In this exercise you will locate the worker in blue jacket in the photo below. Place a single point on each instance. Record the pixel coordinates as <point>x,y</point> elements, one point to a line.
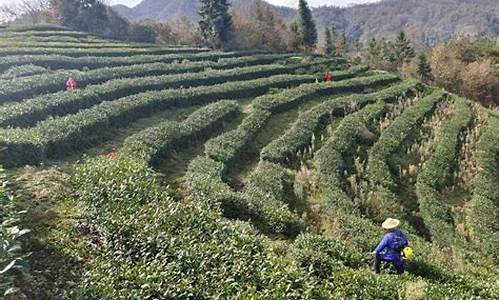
<point>391,247</point>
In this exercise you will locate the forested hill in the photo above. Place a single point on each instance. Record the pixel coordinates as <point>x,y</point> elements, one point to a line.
<point>428,21</point>
<point>166,10</point>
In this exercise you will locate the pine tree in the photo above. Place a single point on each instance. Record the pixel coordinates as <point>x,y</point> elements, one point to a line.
<point>335,36</point>
<point>404,50</point>
<point>341,45</point>
<point>424,69</point>
<point>216,26</point>
<point>328,42</point>
<point>307,34</point>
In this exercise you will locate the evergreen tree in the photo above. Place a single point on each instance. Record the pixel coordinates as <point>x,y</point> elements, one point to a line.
<point>307,34</point>
<point>328,42</point>
<point>335,36</point>
<point>424,69</point>
<point>340,44</point>
<point>215,23</point>
<point>403,48</point>
<point>84,15</point>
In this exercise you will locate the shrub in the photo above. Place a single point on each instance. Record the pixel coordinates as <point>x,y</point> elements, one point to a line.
<point>53,82</point>
<point>300,135</point>
<point>13,264</point>
<point>154,142</point>
<point>436,172</point>
<point>57,137</point>
<point>392,138</point>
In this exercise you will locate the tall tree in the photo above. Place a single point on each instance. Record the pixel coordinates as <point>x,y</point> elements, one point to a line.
<point>424,69</point>
<point>404,49</point>
<point>216,25</point>
<point>84,15</point>
<point>341,45</point>
<point>307,34</point>
<point>335,36</point>
<point>328,41</point>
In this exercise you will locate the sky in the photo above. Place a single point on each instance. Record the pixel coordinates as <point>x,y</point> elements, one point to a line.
<point>291,3</point>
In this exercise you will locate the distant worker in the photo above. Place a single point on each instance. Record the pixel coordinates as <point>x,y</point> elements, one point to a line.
<point>71,84</point>
<point>328,76</point>
<point>393,248</point>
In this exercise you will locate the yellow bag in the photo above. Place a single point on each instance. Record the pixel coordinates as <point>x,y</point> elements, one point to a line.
<point>408,253</point>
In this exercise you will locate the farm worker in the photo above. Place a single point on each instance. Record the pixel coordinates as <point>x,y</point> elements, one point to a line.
<point>391,247</point>
<point>328,76</point>
<point>71,84</point>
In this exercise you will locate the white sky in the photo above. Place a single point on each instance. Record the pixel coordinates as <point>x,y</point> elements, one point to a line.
<point>291,3</point>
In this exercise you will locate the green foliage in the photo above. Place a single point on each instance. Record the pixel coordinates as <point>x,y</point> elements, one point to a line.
<point>436,173</point>
<point>32,110</point>
<point>110,184</point>
<point>330,160</point>
<point>302,133</point>
<point>337,251</point>
<point>54,81</point>
<point>393,138</point>
<point>305,29</point>
<point>210,243</point>
<point>97,51</point>
<point>481,220</point>
<point>58,137</point>
<point>282,101</point>
<point>155,142</point>
<point>22,71</point>
<point>12,256</point>
<point>328,42</point>
<point>424,70</point>
<point>228,145</point>
<point>216,25</point>
<point>404,49</point>
<point>204,180</point>
<point>55,61</point>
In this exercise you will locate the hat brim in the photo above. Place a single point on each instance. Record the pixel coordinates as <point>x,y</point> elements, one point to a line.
<point>390,224</point>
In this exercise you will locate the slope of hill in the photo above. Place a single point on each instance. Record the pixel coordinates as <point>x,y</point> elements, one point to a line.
<point>428,21</point>
<point>162,10</point>
<point>148,183</point>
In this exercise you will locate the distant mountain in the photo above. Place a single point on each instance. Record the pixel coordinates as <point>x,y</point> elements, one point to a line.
<point>426,21</point>
<point>164,10</point>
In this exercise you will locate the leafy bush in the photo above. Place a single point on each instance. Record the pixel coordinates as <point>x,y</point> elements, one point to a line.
<point>54,82</point>
<point>57,137</point>
<point>330,159</point>
<point>116,183</point>
<point>103,52</point>
<point>436,172</point>
<point>204,179</point>
<point>299,136</point>
<point>154,142</point>
<point>392,138</point>
<point>481,220</point>
<point>228,145</point>
<point>64,102</point>
<point>22,71</point>
<point>54,61</point>
<point>285,100</point>
<point>12,257</point>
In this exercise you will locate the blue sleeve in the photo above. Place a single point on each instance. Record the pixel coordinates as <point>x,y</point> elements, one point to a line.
<point>382,243</point>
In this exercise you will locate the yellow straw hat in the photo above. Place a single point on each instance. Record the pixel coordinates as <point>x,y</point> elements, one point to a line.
<point>390,223</point>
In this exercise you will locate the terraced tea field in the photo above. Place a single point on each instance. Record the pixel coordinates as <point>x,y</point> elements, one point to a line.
<point>183,173</point>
